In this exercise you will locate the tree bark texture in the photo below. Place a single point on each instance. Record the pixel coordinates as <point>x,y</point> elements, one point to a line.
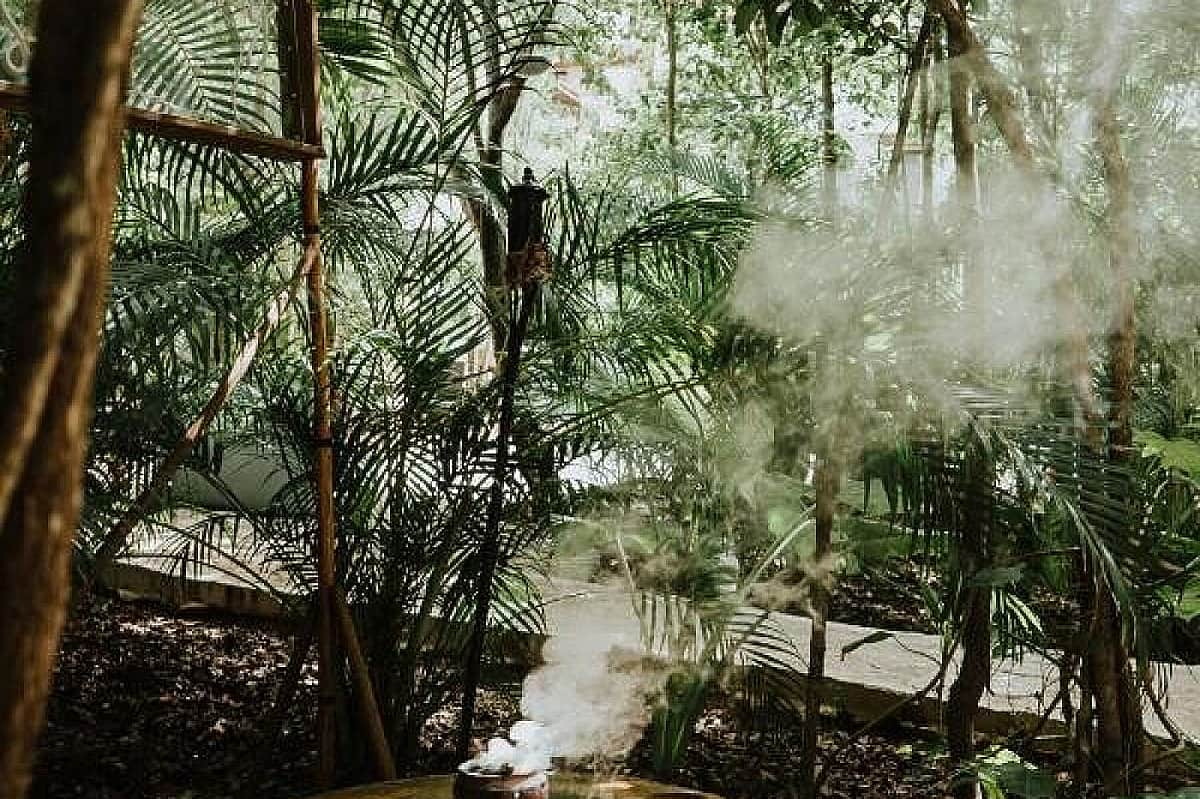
<point>827,481</point>
<point>916,63</point>
<point>828,133</point>
<point>974,616</point>
<point>1118,706</point>
<point>79,79</point>
<point>961,134</point>
<point>1001,103</point>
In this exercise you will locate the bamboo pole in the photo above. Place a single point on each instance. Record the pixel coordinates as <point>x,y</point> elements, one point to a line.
<point>364,692</point>
<point>15,97</point>
<point>307,83</point>
<point>323,445</point>
<point>118,534</point>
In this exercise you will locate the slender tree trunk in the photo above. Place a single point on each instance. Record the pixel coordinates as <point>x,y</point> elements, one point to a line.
<point>78,82</point>
<point>672,21</point>
<point>965,186</point>
<point>827,480</point>
<point>1029,57</point>
<point>304,86</point>
<point>962,135</point>
<point>507,332</point>
<point>828,133</point>
<point>975,617</point>
<point>975,601</point>
<point>916,63</point>
<point>931,120</point>
<point>1118,706</point>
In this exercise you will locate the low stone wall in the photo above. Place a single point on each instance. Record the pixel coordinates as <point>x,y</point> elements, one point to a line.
<point>139,583</point>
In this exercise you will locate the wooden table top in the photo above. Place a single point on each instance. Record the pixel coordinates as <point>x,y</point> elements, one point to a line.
<point>562,786</point>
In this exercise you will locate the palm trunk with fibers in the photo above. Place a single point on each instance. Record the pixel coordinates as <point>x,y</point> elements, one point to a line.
<point>118,535</point>
<point>974,617</point>
<point>79,77</point>
<point>827,480</point>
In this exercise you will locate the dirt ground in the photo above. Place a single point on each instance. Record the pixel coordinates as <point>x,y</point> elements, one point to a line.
<point>150,703</point>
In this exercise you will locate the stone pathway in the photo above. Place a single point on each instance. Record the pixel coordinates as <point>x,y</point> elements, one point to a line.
<point>866,679</point>
<point>901,665</point>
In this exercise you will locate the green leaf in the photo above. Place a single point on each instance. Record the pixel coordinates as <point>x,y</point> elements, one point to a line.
<point>1180,454</point>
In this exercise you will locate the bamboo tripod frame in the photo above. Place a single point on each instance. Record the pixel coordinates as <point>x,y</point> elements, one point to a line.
<point>302,143</point>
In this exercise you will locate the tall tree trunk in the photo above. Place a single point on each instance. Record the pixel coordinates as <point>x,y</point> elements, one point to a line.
<point>78,82</point>
<point>931,119</point>
<point>503,323</point>
<point>974,616</point>
<point>1106,675</point>
<point>1028,41</point>
<point>827,480</point>
<point>916,63</point>
<point>974,601</point>
<point>828,133</point>
<point>1118,706</point>
<point>671,12</point>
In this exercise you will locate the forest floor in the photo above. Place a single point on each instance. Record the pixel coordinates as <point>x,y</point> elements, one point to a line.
<point>151,703</point>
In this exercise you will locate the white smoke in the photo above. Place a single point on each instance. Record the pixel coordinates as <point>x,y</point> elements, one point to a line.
<point>590,697</point>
